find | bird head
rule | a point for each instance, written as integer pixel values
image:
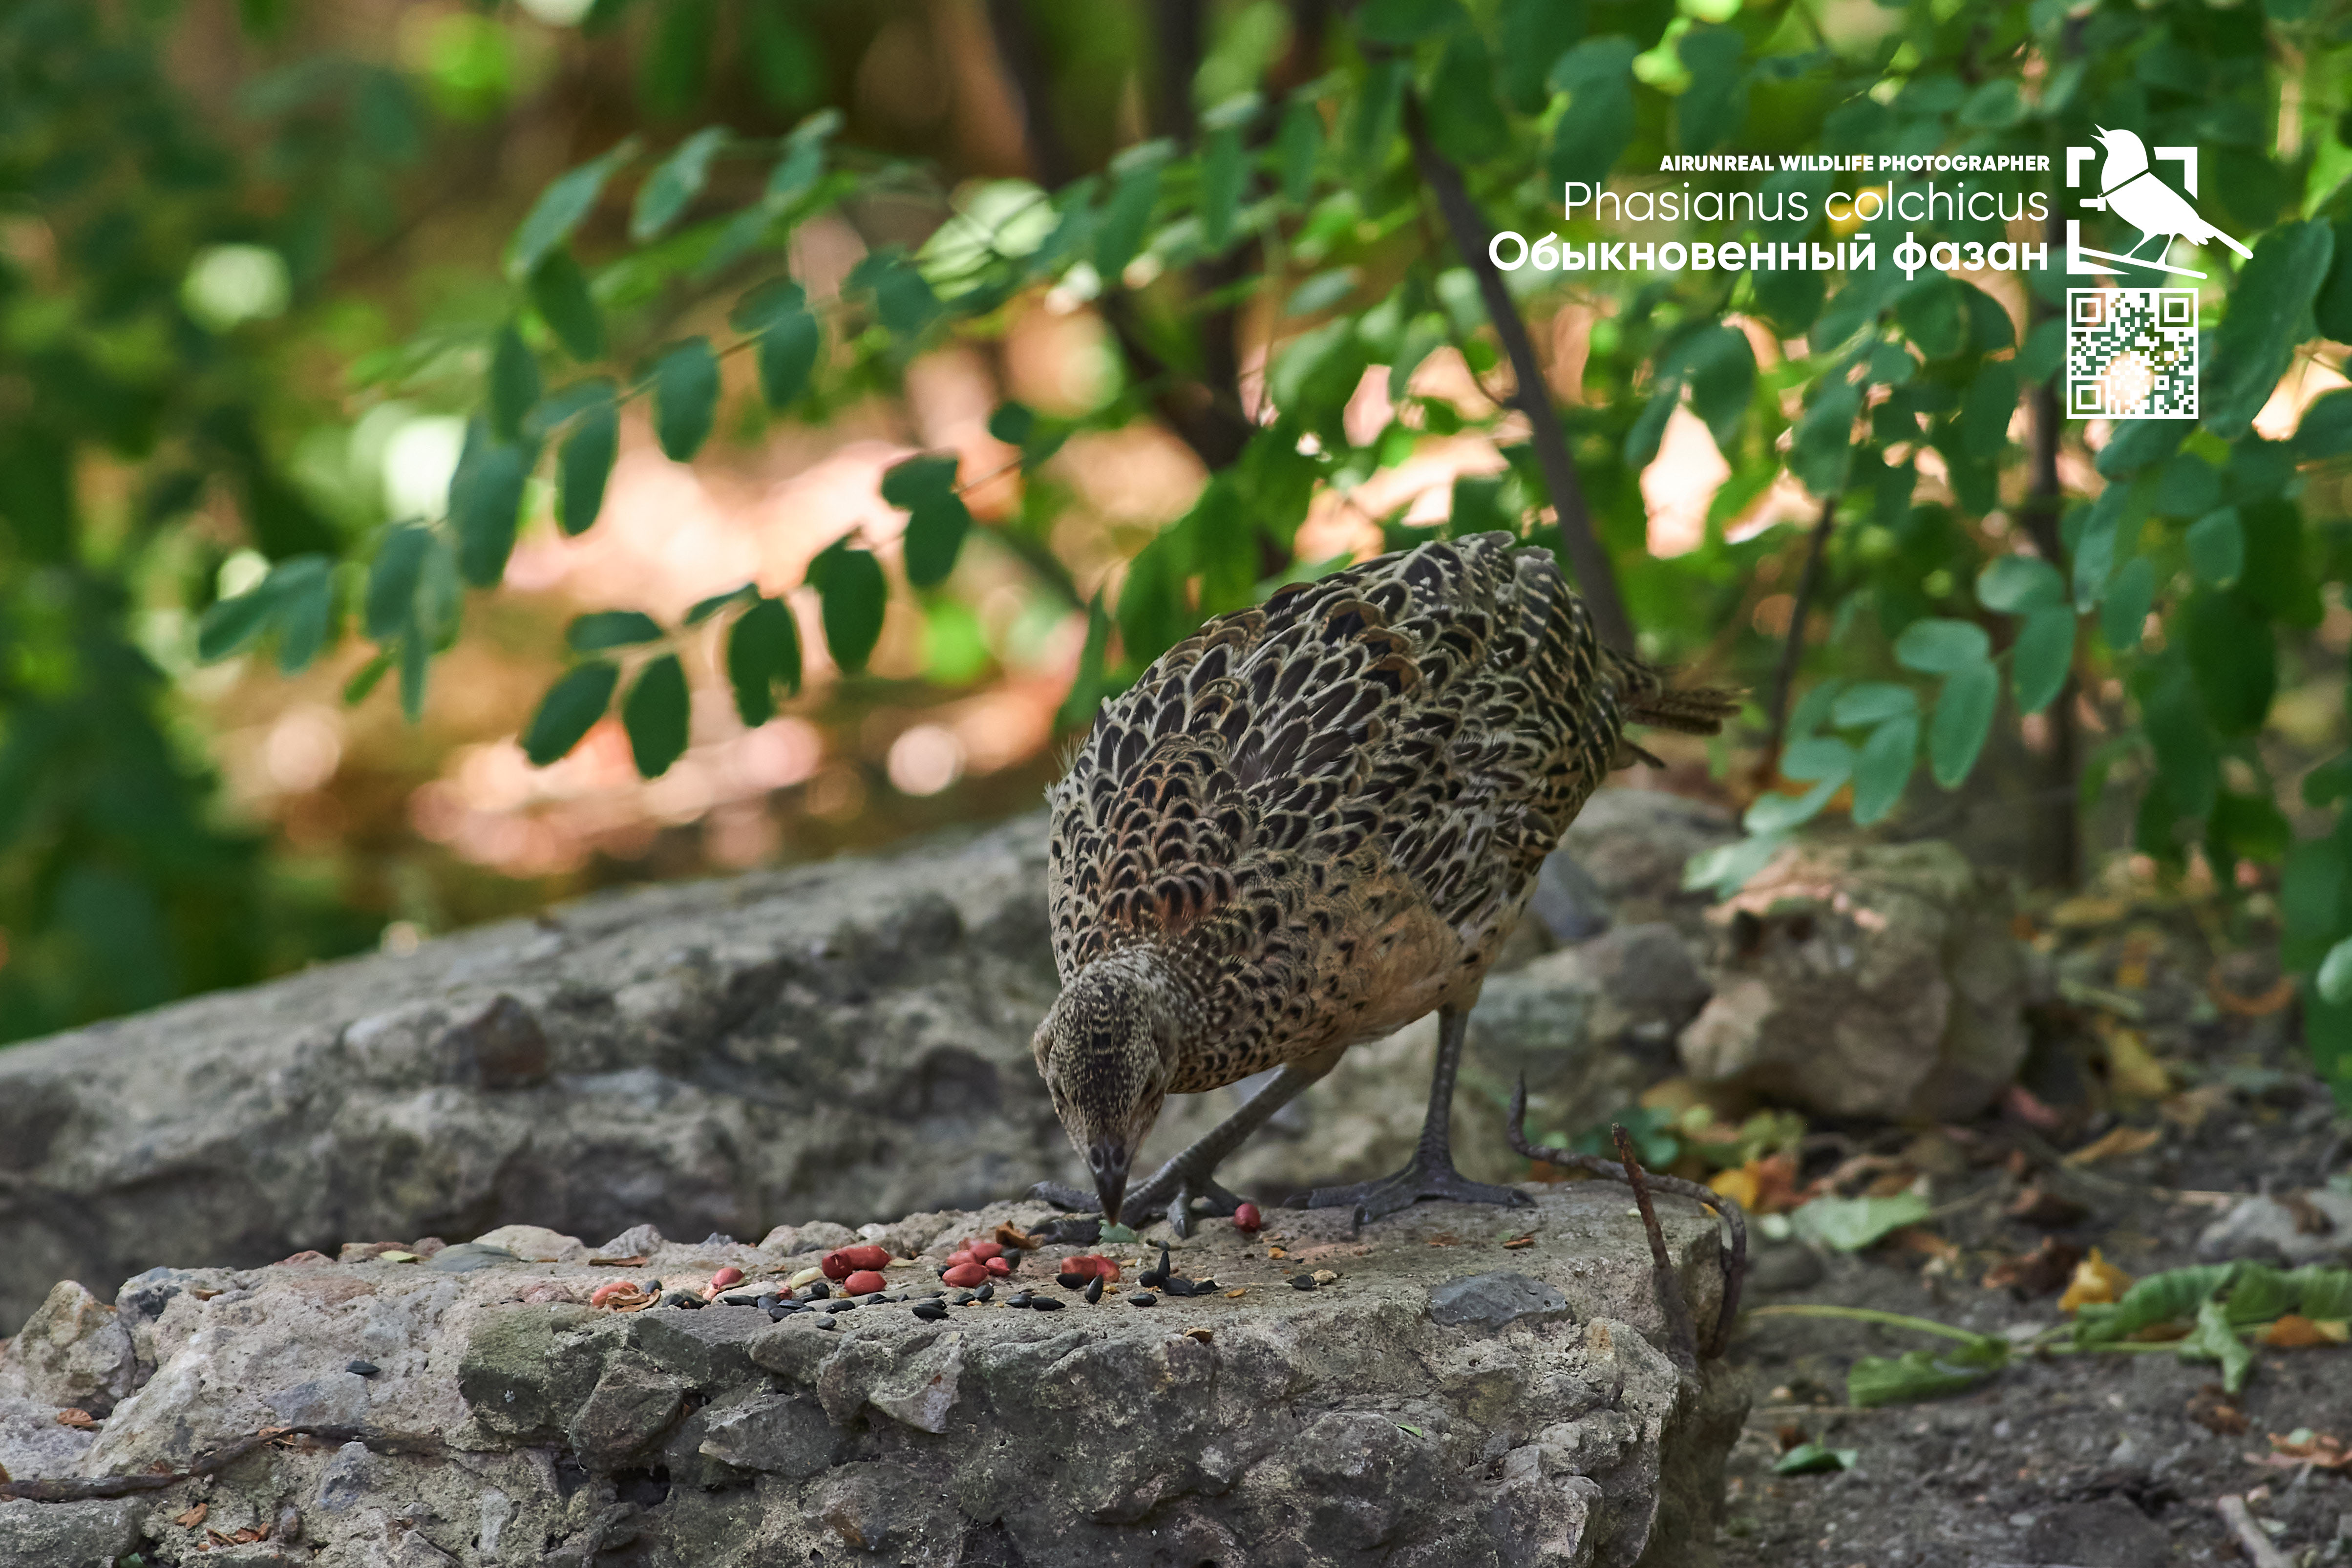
(1103, 1051)
(2124, 144)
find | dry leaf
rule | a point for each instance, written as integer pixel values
(2037, 1272)
(2095, 1280)
(2318, 1450)
(2118, 1143)
(1237, 1294)
(2296, 1332)
(1444, 1238)
(1203, 1336)
(1520, 1243)
(1009, 1235)
(1765, 1185)
(2190, 1107)
(2132, 1071)
(79, 1418)
(1912, 1238)
(1275, 1252)
(600, 1262)
(2281, 992)
(247, 1536)
(194, 1516)
(2211, 1408)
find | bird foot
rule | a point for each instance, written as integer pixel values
(1066, 1197)
(1177, 1195)
(1171, 1194)
(1421, 1178)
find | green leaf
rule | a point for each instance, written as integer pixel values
(1871, 703)
(514, 384)
(1533, 34)
(601, 630)
(2130, 595)
(2044, 654)
(935, 532)
(1726, 867)
(1821, 451)
(2095, 547)
(2328, 782)
(1933, 313)
(1939, 645)
(2140, 444)
(703, 609)
(356, 690)
(570, 709)
(2334, 980)
(2180, 733)
(1914, 1375)
(1818, 757)
(2016, 584)
(390, 606)
(2216, 543)
(1814, 1459)
(787, 354)
(1772, 814)
(1464, 120)
(2269, 311)
(582, 464)
(1223, 177)
(1126, 215)
(559, 291)
(561, 207)
(1598, 76)
(764, 652)
(926, 477)
(1963, 717)
(306, 615)
(1985, 412)
(1849, 1225)
(1715, 104)
(1883, 768)
(674, 182)
(2233, 656)
(1407, 21)
(853, 594)
(655, 714)
(686, 397)
(1298, 148)
(2323, 1295)
(2327, 427)
(2214, 1340)
(485, 505)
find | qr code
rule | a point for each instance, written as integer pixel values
(2131, 353)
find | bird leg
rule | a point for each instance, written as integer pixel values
(1430, 1173)
(1185, 1181)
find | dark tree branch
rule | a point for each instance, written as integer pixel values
(1025, 68)
(1176, 25)
(1680, 1334)
(1596, 580)
(1808, 582)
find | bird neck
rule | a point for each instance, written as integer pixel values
(1173, 984)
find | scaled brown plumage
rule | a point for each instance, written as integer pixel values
(1312, 822)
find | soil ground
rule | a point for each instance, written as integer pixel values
(2096, 1460)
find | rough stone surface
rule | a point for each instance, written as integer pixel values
(1439, 1401)
(1872, 980)
(73, 1352)
(2310, 1227)
(844, 1041)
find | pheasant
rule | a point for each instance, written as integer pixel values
(1308, 825)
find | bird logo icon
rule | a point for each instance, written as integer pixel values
(2130, 189)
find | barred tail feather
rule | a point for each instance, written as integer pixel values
(1646, 698)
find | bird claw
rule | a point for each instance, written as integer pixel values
(1077, 1199)
(1186, 1196)
(1372, 1200)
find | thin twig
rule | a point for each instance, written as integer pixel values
(77, 1489)
(1682, 1338)
(1807, 581)
(1733, 1259)
(2261, 1551)
(1596, 580)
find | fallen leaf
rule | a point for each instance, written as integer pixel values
(2116, 1143)
(81, 1419)
(1911, 1238)
(1009, 1235)
(1203, 1336)
(1275, 1252)
(205, 1292)
(2050, 1265)
(601, 1262)
(2310, 1219)
(1766, 1184)
(2045, 1206)
(2281, 992)
(2296, 1332)
(2022, 1103)
(1790, 1435)
(2132, 1071)
(2304, 1447)
(1237, 1294)
(1812, 1460)
(247, 1536)
(1849, 1225)
(194, 1516)
(1444, 1238)
(2190, 1107)
(2212, 1410)
(1414, 1430)
(1519, 1243)
(2095, 1280)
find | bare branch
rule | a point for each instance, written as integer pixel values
(1596, 580)
(1793, 649)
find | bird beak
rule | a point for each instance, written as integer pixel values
(1109, 1163)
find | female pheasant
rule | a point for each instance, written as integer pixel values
(1305, 827)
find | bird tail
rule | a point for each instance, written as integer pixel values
(2232, 244)
(1646, 698)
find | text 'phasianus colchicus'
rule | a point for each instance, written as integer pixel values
(1305, 827)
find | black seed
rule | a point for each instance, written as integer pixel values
(739, 1300)
(1019, 1299)
(364, 1368)
(1163, 1260)
(1151, 1277)
(961, 1298)
(818, 1292)
(768, 1302)
(1070, 1279)
(1045, 1304)
(843, 1306)
(1094, 1289)
(778, 1314)
(1143, 1299)
(985, 1293)
(930, 1311)
(827, 1322)
(681, 1299)
(1302, 1282)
